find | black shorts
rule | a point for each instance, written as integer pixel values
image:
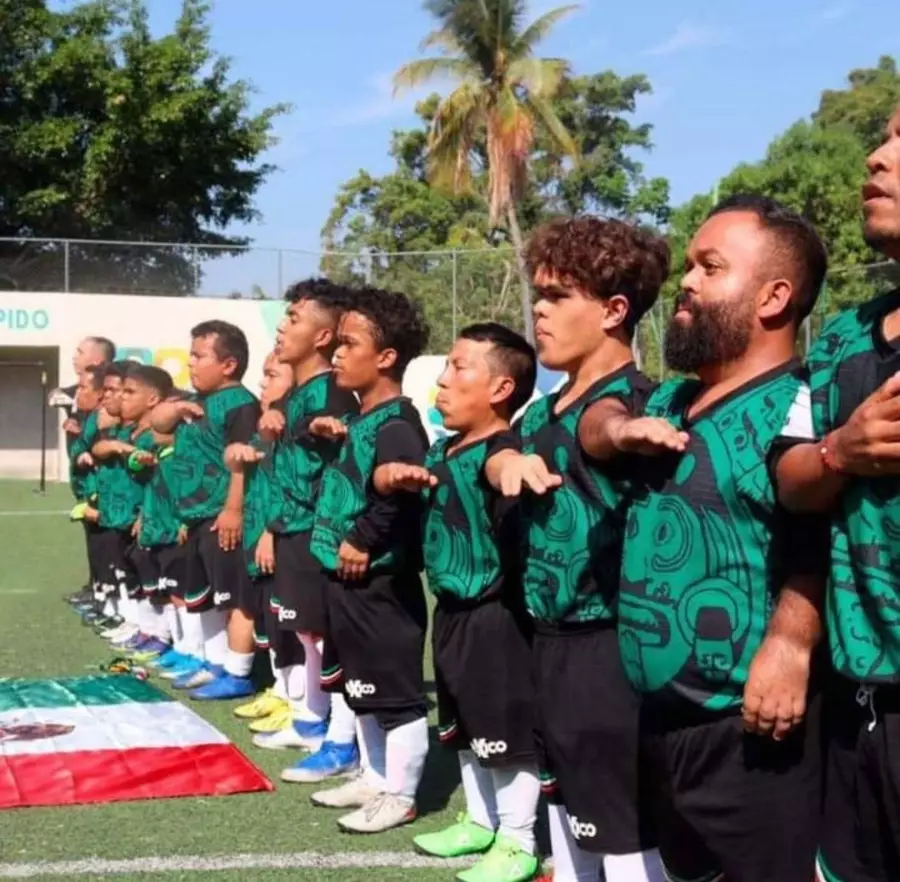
(90, 540)
(588, 732)
(485, 690)
(114, 566)
(145, 562)
(300, 586)
(861, 825)
(217, 579)
(377, 627)
(172, 561)
(730, 804)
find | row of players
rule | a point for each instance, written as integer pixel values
(635, 574)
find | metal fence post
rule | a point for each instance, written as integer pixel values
(66, 265)
(195, 257)
(454, 295)
(280, 275)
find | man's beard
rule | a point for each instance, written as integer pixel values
(715, 334)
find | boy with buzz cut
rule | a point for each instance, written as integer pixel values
(371, 549)
(594, 280)
(210, 501)
(305, 345)
(482, 651)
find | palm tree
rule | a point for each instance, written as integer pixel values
(503, 96)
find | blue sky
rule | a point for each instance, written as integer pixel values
(727, 78)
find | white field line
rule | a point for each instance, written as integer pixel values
(31, 514)
(303, 860)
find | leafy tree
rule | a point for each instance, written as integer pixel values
(504, 96)
(109, 133)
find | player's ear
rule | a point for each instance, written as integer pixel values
(502, 389)
(386, 359)
(616, 312)
(325, 339)
(774, 299)
(229, 365)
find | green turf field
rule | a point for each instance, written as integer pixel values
(41, 637)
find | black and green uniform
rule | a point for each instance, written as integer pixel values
(120, 490)
(851, 359)
(260, 502)
(482, 651)
(83, 481)
(377, 625)
(159, 517)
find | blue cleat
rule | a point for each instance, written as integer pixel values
(206, 673)
(224, 688)
(187, 669)
(301, 735)
(171, 658)
(329, 761)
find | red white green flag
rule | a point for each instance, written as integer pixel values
(110, 738)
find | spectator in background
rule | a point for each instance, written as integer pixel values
(90, 351)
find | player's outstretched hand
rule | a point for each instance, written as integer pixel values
(230, 527)
(265, 553)
(238, 455)
(353, 563)
(143, 457)
(394, 477)
(189, 410)
(271, 425)
(85, 461)
(72, 427)
(648, 436)
(775, 694)
(328, 427)
(527, 471)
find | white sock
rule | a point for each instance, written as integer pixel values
(128, 608)
(342, 728)
(372, 749)
(641, 866)
(316, 702)
(239, 664)
(150, 620)
(406, 749)
(517, 793)
(280, 685)
(215, 635)
(111, 606)
(191, 632)
(478, 787)
(570, 863)
(173, 624)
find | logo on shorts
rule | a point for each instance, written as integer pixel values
(286, 615)
(579, 830)
(484, 749)
(358, 689)
(221, 597)
(165, 583)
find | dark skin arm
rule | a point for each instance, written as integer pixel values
(108, 448)
(607, 429)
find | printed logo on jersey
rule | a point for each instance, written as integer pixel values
(221, 597)
(484, 749)
(286, 615)
(579, 830)
(358, 689)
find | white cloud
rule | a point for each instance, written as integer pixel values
(692, 36)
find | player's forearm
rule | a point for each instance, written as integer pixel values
(376, 525)
(798, 612)
(381, 480)
(597, 428)
(493, 468)
(805, 483)
(165, 418)
(107, 449)
(234, 501)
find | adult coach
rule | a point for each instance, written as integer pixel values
(854, 472)
(90, 351)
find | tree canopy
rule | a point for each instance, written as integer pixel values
(107, 132)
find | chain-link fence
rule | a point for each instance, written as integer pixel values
(455, 288)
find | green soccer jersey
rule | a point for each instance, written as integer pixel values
(707, 546)
(200, 478)
(574, 532)
(120, 490)
(260, 503)
(83, 481)
(348, 507)
(849, 361)
(470, 545)
(159, 518)
(299, 459)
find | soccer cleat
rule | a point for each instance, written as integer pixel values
(224, 687)
(385, 812)
(203, 676)
(504, 861)
(133, 643)
(263, 705)
(169, 659)
(281, 719)
(300, 735)
(117, 631)
(150, 650)
(91, 617)
(125, 636)
(464, 837)
(187, 669)
(107, 623)
(356, 793)
(84, 595)
(329, 761)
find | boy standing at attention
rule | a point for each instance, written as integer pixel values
(370, 546)
(594, 280)
(210, 501)
(482, 651)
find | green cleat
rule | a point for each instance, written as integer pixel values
(464, 837)
(505, 862)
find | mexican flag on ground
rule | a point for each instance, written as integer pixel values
(110, 738)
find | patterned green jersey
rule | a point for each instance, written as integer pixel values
(260, 503)
(200, 478)
(299, 458)
(348, 507)
(707, 546)
(120, 490)
(469, 545)
(574, 533)
(159, 518)
(850, 360)
(83, 481)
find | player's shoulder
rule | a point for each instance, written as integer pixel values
(852, 327)
(671, 396)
